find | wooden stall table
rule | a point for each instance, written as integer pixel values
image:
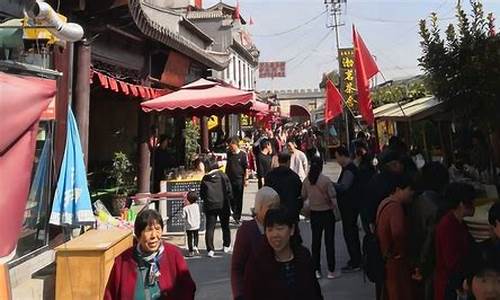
(83, 264)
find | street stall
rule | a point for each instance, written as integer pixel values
(421, 123)
(202, 98)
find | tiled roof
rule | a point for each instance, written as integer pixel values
(203, 14)
(155, 29)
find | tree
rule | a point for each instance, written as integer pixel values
(400, 91)
(333, 76)
(463, 68)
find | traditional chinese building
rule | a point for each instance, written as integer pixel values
(299, 104)
(224, 24)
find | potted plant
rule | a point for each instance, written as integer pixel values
(122, 175)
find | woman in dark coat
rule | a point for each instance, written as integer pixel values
(280, 269)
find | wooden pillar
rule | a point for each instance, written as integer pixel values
(226, 125)
(144, 169)
(61, 62)
(81, 101)
(204, 134)
(180, 140)
(5, 290)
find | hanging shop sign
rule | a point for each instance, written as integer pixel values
(246, 120)
(348, 76)
(272, 69)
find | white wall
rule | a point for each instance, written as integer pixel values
(239, 70)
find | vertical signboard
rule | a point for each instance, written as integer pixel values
(348, 76)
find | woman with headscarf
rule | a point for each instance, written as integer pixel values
(151, 269)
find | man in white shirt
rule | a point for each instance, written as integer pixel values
(298, 161)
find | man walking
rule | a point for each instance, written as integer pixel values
(287, 184)
(236, 170)
(264, 161)
(298, 161)
(348, 200)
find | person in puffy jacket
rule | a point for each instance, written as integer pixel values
(216, 193)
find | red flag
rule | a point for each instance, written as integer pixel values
(334, 100)
(124, 87)
(236, 14)
(133, 90)
(366, 68)
(103, 79)
(113, 85)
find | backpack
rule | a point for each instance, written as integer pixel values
(373, 260)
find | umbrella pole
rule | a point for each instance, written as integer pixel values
(5, 291)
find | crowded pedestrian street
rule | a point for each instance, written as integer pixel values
(213, 278)
(249, 150)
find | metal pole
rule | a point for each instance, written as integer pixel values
(336, 11)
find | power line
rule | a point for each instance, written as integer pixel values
(380, 20)
(291, 29)
(324, 38)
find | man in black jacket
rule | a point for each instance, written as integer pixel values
(381, 186)
(348, 195)
(236, 170)
(216, 193)
(287, 184)
(264, 160)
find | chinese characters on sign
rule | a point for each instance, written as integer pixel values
(246, 120)
(272, 69)
(347, 76)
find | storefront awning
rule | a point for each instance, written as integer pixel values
(23, 100)
(412, 111)
(125, 88)
(204, 98)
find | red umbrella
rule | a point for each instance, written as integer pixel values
(203, 97)
(23, 101)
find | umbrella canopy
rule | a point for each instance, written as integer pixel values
(72, 206)
(23, 100)
(204, 98)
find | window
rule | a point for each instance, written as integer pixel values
(244, 76)
(234, 71)
(239, 74)
(34, 234)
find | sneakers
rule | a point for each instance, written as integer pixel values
(227, 249)
(196, 251)
(318, 275)
(333, 275)
(190, 254)
(211, 253)
(350, 269)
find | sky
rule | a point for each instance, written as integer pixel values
(388, 27)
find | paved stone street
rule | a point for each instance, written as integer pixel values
(212, 276)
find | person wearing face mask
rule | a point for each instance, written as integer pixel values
(151, 269)
(249, 236)
(281, 269)
(392, 231)
(453, 241)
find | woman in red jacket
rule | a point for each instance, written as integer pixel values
(151, 269)
(280, 269)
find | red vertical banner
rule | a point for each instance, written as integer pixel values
(366, 68)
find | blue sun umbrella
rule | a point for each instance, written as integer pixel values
(72, 206)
